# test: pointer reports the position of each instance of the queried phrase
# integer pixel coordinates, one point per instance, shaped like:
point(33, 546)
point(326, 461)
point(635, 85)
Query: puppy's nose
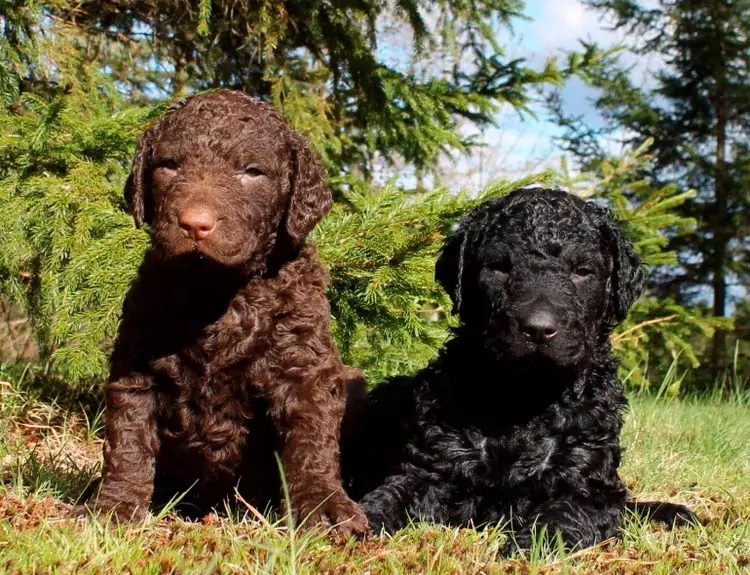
point(198, 221)
point(540, 325)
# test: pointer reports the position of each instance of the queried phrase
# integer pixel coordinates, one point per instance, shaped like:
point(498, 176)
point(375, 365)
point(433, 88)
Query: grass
point(683, 450)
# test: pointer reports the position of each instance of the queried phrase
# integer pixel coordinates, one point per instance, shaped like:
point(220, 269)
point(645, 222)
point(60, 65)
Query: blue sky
point(518, 146)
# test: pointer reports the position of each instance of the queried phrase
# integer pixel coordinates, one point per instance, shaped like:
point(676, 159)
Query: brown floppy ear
point(137, 185)
point(310, 197)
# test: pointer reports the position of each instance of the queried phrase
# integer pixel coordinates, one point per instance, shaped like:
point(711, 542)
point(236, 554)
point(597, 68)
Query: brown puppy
point(224, 354)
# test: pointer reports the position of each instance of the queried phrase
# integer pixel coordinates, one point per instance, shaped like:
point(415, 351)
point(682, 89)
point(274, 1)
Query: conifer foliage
point(70, 249)
point(72, 116)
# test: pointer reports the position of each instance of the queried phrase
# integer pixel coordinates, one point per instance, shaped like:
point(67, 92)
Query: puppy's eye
point(167, 165)
point(501, 267)
point(581, 273)
point(252, 171)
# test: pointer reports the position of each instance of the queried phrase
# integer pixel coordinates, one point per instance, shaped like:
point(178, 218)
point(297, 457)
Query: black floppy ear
point(137, 184)
point(310, 197)
point(449, 268)
point(628, 278)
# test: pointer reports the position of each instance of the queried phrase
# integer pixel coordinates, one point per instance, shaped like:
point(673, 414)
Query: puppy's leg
point(578, 523)
point(387, 507)
point(130, 449)
point(671, 514)
point(308, 415)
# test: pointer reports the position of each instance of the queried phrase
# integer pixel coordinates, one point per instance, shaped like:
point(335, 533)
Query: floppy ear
point(310, 197)
point(628, 278)
point(136, 184)
point(449, 268)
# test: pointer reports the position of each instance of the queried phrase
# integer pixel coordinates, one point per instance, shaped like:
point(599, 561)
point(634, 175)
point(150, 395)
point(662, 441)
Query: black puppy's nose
point(539, 325)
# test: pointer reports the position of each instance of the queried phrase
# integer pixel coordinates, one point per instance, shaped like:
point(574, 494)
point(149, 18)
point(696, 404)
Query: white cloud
point(559, 24)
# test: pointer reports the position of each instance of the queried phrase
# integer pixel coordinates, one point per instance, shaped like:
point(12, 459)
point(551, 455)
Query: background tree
point(696, 106)
point(72, 117)
point(326, 54)
point(81, 84)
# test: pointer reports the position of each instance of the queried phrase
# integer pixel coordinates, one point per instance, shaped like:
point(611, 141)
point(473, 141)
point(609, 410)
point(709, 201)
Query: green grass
point(683, 450)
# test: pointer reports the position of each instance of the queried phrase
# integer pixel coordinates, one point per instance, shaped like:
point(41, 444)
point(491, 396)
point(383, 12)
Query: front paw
point(671, 514)
point(336, 510)
point(519, 543)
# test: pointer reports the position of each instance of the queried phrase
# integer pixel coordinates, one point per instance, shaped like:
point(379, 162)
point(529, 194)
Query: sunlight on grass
point(690, 451)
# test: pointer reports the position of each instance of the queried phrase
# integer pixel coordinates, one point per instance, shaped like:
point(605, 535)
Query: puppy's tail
point(672, 514)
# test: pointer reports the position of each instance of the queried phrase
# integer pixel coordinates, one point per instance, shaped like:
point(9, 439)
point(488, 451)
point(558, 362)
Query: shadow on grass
point(34, 382)
point(56, 474)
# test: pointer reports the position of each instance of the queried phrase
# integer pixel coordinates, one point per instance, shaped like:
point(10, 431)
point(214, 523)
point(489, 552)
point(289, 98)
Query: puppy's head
point(541, 275)
point(223, 176)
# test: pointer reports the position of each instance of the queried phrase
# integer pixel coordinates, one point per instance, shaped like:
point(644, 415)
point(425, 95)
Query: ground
point(689, 451)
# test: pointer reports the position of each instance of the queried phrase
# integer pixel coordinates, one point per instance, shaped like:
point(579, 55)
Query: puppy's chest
point(216, 354)
point(206, 388)
point(465, 456)
point(474, 459)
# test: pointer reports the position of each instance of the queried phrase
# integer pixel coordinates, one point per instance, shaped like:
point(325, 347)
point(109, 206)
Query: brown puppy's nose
point(198, 221)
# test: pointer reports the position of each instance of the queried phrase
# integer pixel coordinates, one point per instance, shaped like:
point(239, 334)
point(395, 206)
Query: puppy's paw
point(671, 514)
point(337, 511)
point(347, 517)
point(519, 543)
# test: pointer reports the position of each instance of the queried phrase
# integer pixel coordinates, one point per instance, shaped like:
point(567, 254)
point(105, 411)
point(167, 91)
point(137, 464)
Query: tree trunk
point(720, 239)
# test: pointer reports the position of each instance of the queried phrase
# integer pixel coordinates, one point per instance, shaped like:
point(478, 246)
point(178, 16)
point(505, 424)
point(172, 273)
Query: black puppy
point(519, 417)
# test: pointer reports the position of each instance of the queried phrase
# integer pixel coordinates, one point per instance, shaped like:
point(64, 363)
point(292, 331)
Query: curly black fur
point(519, 417)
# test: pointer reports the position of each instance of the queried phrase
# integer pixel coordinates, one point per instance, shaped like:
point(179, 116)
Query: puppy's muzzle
point(539, 323)
point(197, 221)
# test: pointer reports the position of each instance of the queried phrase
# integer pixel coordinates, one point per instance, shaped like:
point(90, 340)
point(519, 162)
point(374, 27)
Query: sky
point(556, 26)
point(522, 145)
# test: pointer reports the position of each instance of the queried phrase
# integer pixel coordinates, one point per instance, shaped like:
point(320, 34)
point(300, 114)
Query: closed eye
point(252, 171)
point(249, 175)
point(583, 272)
point(168, 164)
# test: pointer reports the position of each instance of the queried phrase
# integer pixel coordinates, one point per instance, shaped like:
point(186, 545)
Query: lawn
point(683, 450)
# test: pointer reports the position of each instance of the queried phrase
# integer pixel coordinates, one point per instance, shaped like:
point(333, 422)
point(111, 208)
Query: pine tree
point(71, 250)
point(326, 51)
point(697, 109)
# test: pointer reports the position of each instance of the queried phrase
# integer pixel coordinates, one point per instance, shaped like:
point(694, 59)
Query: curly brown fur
point(224, 355)
point(519, 417)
